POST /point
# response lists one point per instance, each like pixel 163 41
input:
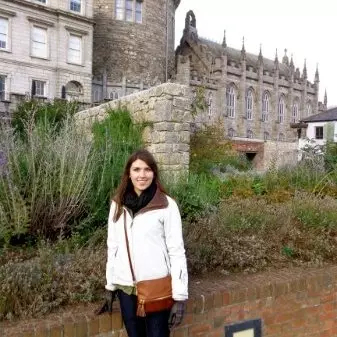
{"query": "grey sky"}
pixel 305 28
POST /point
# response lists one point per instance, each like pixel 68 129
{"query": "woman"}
pixel 156 248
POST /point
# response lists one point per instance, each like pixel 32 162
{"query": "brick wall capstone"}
pixel 290 303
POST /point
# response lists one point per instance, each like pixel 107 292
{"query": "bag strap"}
pixel 128 248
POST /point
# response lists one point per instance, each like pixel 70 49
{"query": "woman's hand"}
pixel 177 314
pixel 107 305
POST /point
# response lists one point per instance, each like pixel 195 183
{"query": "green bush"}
pixel 114 139
pixel 210 153
pixel 330 156
pixel 50 280
pixel 54 181
pixel 196 195
pixel 46 182
pixel 46 115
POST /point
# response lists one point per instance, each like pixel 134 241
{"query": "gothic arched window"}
pixel 231 132
pixel 265 107
pixel 249 104
pixel 280 115
pixel 309 109
pixel 250 134
pixel 266 135
pixel 230 99
pixel 294 113
pixel 129 10
pixel 281 137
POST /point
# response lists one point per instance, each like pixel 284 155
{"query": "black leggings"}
pixel 153 325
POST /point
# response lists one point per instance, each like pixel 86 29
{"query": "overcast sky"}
pixel 307 29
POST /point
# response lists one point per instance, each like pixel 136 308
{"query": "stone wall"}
pixel 278 154
pixel 167 110
pixel 138 51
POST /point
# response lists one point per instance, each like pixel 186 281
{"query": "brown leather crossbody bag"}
pixel 152 295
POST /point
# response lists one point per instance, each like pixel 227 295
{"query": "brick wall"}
pixel 289 303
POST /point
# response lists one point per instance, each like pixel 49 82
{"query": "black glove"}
pixel 177 314
pixel 107 305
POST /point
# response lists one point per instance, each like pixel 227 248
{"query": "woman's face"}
pixel 141 176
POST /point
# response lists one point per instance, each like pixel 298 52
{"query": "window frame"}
pixel 294 113
pixel 281 110
pixel 129 11
pixel 74 2
pixel 309 109
pixel 5 34
pixel 47 44
pixel 249 104
pixel 250 134
pixel 230 101
pixel 7 15
pixel 3 79
pixel 231 133
pixel 265 107
pixel 266 136
pixel 319 132
pixel 45 87
pixel 80 51
pixel 281 137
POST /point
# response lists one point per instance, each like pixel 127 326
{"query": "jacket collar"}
pixel 159 201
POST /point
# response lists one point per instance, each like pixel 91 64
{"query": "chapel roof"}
pixel 252 60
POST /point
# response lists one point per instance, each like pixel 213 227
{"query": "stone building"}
pixel 133 46
pixel 45 50
pixel 251 96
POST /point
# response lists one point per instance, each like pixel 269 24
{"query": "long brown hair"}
pixel 126 184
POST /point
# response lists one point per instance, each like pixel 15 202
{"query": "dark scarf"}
pixel 134 202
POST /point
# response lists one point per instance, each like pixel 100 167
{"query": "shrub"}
pixel 330 156
pixel 253 234
pixel 46 183
pixel 196 195
pixel 45 115
pixel 210 153
pixel 50 280
pixel 114 139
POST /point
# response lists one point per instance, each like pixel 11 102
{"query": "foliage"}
pixel 55 184
pixel 196 195
pixel 199 102
pixel 114 139
pixel 50 280
pixel 46 181
pixel 330 156
pixel 54 181
pixel 46 115
pixel 209 153
pixel 255 233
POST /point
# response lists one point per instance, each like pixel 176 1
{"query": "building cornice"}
pixel 76 30
pixel 46 67
pixel 40 21
pixel 53 11
pixel 7 12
